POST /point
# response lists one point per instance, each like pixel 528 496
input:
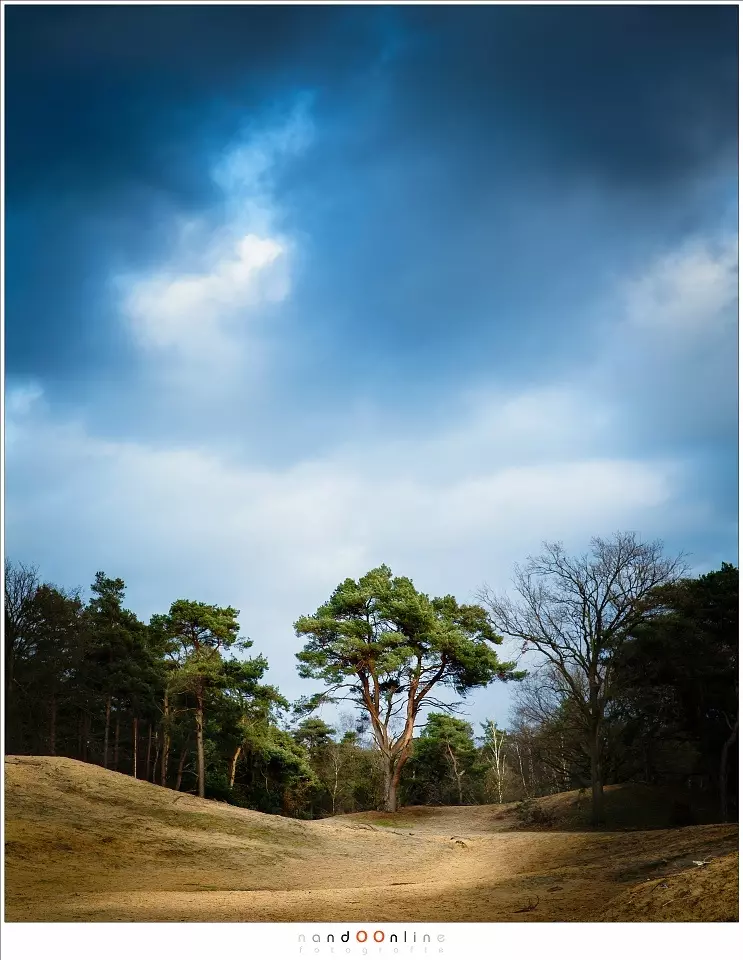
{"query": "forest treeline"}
pixel 632 676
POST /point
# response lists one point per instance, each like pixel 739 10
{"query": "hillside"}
pixel 629 806
pixel 83 843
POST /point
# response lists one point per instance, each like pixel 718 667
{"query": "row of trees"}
pixel 632 675
pixel 655 703
pixel 448 765
pixel 166 701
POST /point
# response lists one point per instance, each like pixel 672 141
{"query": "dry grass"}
pixel 87 844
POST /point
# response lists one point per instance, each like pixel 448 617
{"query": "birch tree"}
pixel 494 743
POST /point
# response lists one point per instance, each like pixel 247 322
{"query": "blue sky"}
pixel 295 291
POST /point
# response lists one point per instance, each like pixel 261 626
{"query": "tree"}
pixel 548 734
pixel 57 624
pixel 494 748
pixel 21 584
pixel 576 612
pixel 444 761
pixel 381 644
pixel 199 632
pixel 316 737
pixel 116 654
pixel 677 676
pixel 314 734
pixel 247 709
pixel 339 769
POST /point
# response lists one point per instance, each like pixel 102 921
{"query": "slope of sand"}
pixel 84 843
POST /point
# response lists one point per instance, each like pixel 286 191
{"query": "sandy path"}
pixel 87 844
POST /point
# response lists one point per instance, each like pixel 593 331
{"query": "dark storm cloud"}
pixel 637 94
pixel 435 127
pixel 113 92
pixel 119 94
pixel 455 152
pixel 456 371
pixel 113 117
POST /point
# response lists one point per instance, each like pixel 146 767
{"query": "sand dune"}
pixel 86 844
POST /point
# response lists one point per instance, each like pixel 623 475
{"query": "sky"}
pixel 291 292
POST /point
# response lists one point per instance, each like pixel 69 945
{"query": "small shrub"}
pixel 530 814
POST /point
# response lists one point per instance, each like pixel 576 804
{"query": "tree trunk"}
pixel 457 774
pixel 9 689
pixel 521 768
pixel 135 730
pixel 532 778
pixel 166 743
pixel 86 735
pixel 53 726
pixel 597 785
pixel 148 761
pixel 154 765
pixel 181 764
pixel 105 732
pixel 724 772
pixel 563 765
pixel 392 772
pixel 336 770
pixel 233 765
pixel 390 794
pixel 116 741
pixel 498 756
pixel 200 741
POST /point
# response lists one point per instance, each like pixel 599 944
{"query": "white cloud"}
pixel 203 307
pixel 667 364
pixel 450 505
pixel 276 542
pixel 20 399
pixel 244 171
pixel 195 313
pixel 687 292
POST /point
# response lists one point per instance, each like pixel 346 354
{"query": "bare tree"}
pixel 576 612
pixel 21 587
pixel 545 722
pixel 517 750
pixel 495 750
pixel 457 771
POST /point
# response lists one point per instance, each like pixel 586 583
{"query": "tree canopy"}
pixel 391 650
pixel 638 672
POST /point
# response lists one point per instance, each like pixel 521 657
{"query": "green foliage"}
pixel 93 682
pixel 676 687
pixel 314 734
pixel 194 635
pixel 382 627
pixel 119 665
pixel 445 767
pixel 390 649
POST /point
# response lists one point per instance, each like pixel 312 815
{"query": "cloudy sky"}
pixel 295 291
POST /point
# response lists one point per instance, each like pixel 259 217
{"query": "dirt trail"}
pixel 83 844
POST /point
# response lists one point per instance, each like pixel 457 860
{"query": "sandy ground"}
pixel 85 844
